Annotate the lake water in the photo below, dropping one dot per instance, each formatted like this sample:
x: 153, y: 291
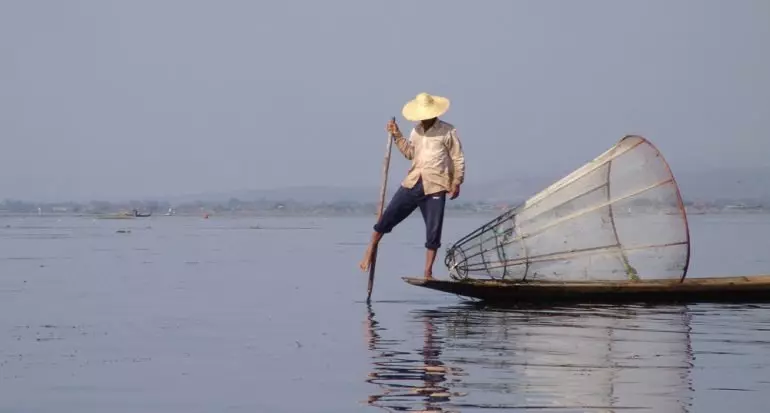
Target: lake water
x: 184, y: 314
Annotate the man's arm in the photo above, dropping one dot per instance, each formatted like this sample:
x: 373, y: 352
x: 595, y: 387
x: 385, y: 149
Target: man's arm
x: 458, y: 158
x: 404, y: 145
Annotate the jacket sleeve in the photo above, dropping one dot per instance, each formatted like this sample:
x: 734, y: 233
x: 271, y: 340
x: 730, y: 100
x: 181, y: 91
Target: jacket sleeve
x: 455, y: 148
x: 405, y: 146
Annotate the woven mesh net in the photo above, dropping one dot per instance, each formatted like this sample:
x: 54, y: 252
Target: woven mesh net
x: 618, y: 217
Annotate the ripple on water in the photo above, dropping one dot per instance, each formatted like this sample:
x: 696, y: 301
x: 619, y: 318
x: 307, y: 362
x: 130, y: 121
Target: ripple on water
x: 580, y: 358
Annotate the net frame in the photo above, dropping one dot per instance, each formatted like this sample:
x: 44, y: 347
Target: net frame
x: 502, y: 228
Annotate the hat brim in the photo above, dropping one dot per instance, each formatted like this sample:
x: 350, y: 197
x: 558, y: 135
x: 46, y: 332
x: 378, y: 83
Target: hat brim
x: 415, y: 112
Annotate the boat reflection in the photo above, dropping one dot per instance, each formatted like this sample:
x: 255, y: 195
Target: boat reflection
x: 579, y: 358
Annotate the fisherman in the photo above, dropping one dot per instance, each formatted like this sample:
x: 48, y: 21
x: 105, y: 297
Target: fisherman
x: 437, y: 171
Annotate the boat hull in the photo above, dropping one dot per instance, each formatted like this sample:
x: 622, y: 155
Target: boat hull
x: 722, y: 289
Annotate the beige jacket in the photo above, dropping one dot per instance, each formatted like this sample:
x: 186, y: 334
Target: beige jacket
x: 436, y: 155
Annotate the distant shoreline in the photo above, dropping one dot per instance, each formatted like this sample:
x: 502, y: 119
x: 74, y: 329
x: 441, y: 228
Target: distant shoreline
x: 265, y: 207
x: 319, y: 214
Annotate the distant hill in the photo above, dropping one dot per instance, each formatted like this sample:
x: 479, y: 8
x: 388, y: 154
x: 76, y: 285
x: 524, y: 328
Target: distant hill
x: 742, y: 183
x: 703, y: 185
x: 305, y: 194
x: 747, y: 183
x: 504, y: 190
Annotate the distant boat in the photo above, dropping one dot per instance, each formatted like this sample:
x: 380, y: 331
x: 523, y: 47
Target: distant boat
x: 140, y: 215
x: 170, y: 212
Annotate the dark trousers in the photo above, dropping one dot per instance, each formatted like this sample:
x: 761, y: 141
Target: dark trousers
x: 405, y: 201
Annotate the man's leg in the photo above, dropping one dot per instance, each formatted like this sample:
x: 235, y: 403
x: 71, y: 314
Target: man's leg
x: 432, y: 208
x: 404, y: 202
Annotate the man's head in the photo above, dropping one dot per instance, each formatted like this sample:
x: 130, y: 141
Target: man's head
x: 425, y: 108
x: 427, y: 123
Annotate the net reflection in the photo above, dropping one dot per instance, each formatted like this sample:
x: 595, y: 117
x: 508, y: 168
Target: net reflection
x: 579, y: 358
x: 414, y: 380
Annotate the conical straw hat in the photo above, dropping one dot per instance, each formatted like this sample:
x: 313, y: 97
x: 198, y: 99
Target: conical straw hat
x: 425, y: 106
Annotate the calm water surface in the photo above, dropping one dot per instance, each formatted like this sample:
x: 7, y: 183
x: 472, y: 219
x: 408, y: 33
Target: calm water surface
x: 182, y: 314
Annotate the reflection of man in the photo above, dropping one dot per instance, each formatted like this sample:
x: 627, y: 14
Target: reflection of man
x: 435, y: 371
x: 396, y: 375
x: 437, y: 170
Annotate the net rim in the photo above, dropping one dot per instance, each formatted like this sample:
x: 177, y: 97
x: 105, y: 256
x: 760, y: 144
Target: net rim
x: 679, y: 199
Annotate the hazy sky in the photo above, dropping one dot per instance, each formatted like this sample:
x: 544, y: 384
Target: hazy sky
x: 103, y: 99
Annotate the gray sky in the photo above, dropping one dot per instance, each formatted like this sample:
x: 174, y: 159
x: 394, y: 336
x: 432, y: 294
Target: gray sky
x: 102, y: 99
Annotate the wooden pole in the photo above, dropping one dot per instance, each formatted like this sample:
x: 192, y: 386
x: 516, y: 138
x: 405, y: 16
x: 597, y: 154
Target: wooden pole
x: 381, y: 207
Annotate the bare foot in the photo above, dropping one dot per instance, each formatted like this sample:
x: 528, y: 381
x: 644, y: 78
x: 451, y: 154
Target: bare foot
x: 364, y: 264
x: 429, y: 276
x: 366, y: 261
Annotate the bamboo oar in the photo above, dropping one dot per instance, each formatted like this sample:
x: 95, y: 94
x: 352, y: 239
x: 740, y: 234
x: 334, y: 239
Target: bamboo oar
x: 383, y: 188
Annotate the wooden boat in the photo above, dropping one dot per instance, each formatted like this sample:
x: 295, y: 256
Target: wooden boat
x: 497, y: 292
x: 613, y: 230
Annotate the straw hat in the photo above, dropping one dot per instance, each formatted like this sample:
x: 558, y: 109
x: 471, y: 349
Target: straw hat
x: 425, y: 106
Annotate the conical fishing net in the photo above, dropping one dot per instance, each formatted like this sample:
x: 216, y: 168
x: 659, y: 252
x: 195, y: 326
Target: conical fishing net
x: 618, y: 217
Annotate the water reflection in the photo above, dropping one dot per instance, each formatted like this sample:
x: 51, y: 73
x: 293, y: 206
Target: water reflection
x: 408, y: 380
x: 579, y: 358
